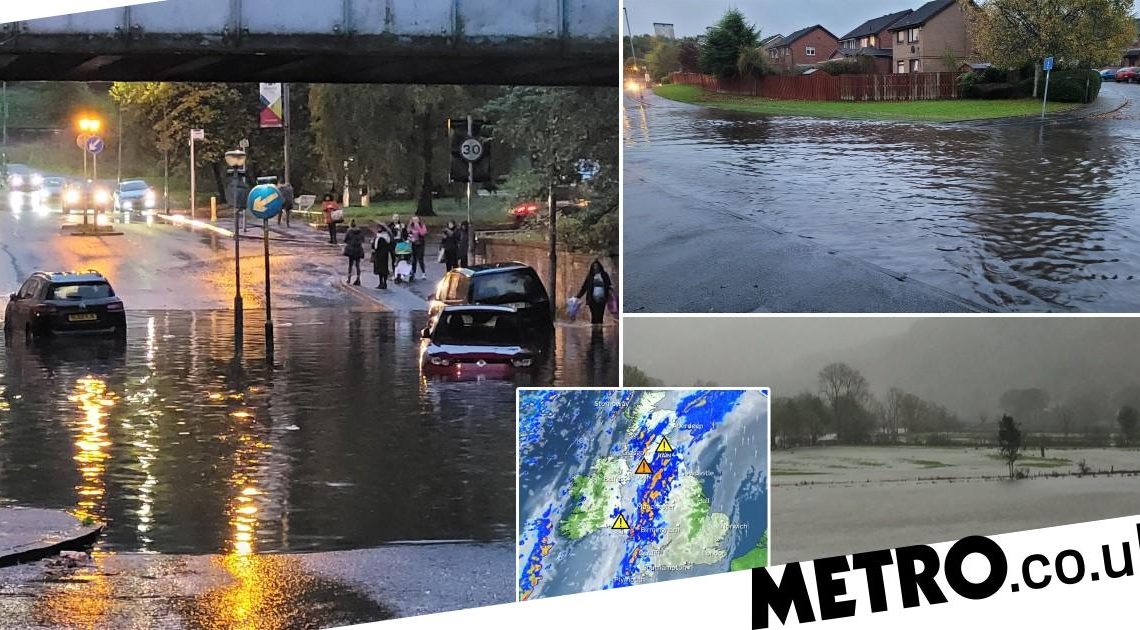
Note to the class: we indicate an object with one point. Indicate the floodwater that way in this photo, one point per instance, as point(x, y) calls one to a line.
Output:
point(181, 446)
point(1009, 216)
point(834, 501)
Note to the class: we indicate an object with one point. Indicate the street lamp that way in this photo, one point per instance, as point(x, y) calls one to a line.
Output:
point(88, 126)
point(235, 162)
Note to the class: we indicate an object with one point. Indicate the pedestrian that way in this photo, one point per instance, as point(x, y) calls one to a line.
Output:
point(333, 215)
point(450, 246)
point(597, 288)
point(417, 234)
point(399, 234)
point(464, 242)
point(382, 255)
point(354, 250)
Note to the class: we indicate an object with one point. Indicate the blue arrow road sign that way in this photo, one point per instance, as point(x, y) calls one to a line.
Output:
point(1048, 64)
point(95, 145)
point(265, 201)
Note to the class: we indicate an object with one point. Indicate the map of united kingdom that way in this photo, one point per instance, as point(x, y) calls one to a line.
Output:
point(622, 487)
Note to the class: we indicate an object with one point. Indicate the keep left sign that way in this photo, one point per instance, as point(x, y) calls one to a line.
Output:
point(21, 11)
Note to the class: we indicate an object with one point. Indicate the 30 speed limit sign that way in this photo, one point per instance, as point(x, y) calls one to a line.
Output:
point(471, 149)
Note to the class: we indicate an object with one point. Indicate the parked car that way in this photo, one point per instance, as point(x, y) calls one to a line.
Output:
point(59, 303)
point(497, 284)
point(134, 194)
point(528, 209)
point(1127, 75)
point(1109, 74)
point(476, 342)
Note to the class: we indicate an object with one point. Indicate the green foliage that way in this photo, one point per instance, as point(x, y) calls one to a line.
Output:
point(689, 55)
point(1009, 442)
point(633, 376)
point(663, 58)
point(558, 130)
point(720, 54)
point(856, 64)
point(1074, 86)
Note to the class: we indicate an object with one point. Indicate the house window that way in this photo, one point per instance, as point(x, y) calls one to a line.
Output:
point(912, 35)
point(873, 41)
point(902, 67)
point(902, 38)
point(809, 51)
point(916, 65)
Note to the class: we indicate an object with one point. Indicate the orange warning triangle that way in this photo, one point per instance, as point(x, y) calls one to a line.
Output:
point(643, 468)
point(620, 523)
point(664, 446)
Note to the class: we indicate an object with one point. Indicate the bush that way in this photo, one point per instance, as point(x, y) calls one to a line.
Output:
point(995, 91)
point(857, 64)
point(1074, 86)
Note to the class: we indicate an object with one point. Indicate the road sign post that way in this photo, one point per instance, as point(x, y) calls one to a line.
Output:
point(265, 202)
point(94, 146)
point(1048, 72)
point(195, 134)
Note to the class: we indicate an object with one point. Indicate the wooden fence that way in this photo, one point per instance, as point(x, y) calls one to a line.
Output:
point(819, 86)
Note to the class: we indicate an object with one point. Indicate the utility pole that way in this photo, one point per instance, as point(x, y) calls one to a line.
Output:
point(470, 176)
point(5, 140)
point(285, 122)
point(629, 32)
point(553, 249)
point(119, 173)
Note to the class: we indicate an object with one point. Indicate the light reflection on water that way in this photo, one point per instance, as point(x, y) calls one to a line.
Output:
point(183, 446)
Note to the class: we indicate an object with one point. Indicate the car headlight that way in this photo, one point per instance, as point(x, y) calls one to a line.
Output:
point(522, 362)
point(101, 196)
point(37, 180)
point(150, 199)
point(17, 180)
point(127, 205)
point(71, 197)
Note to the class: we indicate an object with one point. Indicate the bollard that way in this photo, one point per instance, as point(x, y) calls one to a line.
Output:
point(213, 209)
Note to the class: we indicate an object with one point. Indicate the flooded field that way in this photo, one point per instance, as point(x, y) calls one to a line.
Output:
point(830, 501)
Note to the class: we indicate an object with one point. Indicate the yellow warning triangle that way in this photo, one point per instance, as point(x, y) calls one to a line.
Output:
point(664, 446)
point(643, 468)
point(620, 523)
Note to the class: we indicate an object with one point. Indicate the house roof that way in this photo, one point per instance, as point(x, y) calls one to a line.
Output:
point(873, 27)
point(868, 51)
point(923, 14)
point(764, 43)
point(790, 39)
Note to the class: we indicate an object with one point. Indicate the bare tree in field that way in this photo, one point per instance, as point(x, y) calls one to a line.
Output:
point(1009, 441)
point(847, 394)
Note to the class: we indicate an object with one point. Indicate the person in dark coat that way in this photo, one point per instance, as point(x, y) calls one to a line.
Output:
point(450, 246)
point(382, 246)
point(329, 206)
point(354, 250)
point(596, 288)
point(464, 242)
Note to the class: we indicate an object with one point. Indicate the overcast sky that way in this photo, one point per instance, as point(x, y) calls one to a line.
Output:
point(772, 17)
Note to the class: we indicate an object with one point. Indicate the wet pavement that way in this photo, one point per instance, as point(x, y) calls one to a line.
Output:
point(1004, 216)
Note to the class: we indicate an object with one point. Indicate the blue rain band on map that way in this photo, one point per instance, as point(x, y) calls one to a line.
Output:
point(619, 487)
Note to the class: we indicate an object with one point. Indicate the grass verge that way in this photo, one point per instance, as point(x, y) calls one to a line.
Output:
point(916, 111)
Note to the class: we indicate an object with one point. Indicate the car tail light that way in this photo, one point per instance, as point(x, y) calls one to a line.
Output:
point(440, 361)
point(44, 309)
point(115, 306)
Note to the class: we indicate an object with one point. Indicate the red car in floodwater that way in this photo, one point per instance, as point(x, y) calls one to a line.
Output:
point(476, 342)
point(1127, 75)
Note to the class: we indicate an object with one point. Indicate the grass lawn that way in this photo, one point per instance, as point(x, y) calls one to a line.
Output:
point(919, 111)
point(484, 210)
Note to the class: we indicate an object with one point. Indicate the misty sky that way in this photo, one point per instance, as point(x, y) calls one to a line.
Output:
point(692, 17)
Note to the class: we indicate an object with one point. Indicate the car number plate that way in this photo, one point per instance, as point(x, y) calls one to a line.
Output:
point(519, 304)
point(82, 317)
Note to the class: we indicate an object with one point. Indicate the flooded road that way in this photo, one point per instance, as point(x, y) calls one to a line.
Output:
point(1008, 216)
point(183, 447)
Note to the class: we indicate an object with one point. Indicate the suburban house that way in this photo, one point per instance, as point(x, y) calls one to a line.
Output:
point(806, 46)
point(1132, 55)
point(768, 45)
point(872, 39)
point(928, 38)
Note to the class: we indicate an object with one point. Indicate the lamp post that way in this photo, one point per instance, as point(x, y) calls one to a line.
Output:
point(89, 127)
point(235, 162)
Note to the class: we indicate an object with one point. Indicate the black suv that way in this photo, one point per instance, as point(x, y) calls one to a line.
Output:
point(52, 303)
point(497, 284)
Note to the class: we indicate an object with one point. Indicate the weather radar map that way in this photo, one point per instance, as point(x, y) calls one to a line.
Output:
point(623, 487)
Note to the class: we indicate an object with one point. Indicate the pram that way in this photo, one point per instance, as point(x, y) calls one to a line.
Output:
point(403, 271)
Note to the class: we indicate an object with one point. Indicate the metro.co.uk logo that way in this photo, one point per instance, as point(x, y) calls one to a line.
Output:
point(973, 568)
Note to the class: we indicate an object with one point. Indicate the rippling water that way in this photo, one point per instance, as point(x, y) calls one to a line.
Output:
point(183, 446)
point(1012, 216)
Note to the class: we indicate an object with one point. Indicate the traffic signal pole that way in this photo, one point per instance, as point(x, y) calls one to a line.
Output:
point(470, 176)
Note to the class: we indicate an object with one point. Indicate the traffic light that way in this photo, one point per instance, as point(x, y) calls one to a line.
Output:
point(470, 150)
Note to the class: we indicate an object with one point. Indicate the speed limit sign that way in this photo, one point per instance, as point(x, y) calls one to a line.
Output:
point(471, 149)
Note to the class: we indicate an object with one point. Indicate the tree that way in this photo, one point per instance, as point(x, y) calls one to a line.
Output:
point(1078, 33)
point(561, 131)
point(1009, 442)
point(689, 56)
point(663, 58)
point(720, 54)
point(633, 376)
point(798, 421)
point(1129, 420)
point(846, 394)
